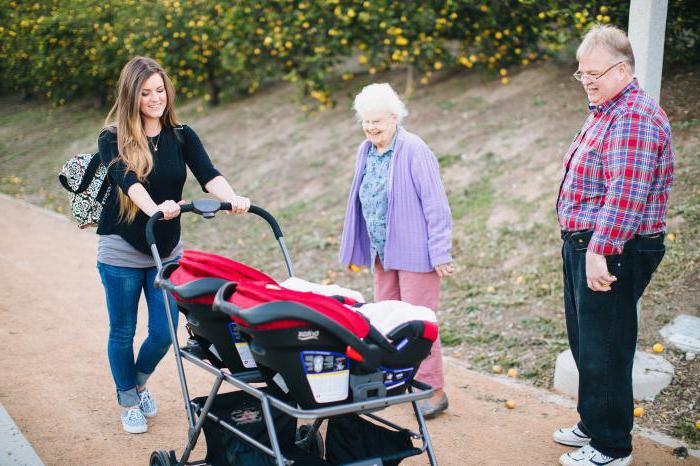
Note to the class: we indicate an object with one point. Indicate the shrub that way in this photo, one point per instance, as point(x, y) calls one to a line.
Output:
point(69, 50)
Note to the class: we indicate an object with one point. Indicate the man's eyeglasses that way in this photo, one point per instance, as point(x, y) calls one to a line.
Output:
point(580, 75)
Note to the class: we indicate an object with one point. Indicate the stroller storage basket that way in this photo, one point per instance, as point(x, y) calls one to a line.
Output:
point(351, 438)
point(244, 412)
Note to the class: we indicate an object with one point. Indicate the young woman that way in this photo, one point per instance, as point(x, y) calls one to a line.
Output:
point(146, 152)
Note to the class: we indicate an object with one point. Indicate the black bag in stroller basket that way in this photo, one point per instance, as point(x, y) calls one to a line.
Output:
point(351, 438)
point(243, 412)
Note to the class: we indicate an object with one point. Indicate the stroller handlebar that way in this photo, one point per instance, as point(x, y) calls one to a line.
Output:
point(207, 208)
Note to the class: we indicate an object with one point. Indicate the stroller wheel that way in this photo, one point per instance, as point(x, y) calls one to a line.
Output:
point(160, 458)
point(310, 440)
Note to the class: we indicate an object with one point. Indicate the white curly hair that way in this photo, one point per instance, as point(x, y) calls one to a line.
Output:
point(378, 98)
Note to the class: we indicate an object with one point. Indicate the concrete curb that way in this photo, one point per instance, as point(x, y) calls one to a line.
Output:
point(15, 450)
point(568, 402)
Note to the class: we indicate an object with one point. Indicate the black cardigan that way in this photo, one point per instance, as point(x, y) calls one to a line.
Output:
point(165, 182)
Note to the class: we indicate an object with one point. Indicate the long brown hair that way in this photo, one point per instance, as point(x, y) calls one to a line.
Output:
point(125, 117)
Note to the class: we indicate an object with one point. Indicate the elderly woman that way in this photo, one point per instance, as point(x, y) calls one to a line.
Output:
point(398, 221)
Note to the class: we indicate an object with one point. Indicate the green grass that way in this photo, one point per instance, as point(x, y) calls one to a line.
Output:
point(447, 160)
point(538, 101)
point(685, 429)
point(685, 124)
point(447, 104)
point(472, 203)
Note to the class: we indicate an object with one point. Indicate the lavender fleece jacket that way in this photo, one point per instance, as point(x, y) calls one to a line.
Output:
point(419, 221)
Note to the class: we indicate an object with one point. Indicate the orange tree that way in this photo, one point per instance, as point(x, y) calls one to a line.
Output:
point(21, 23)
point(64, 50)
point(81, 51)
point(61, 50)
point(188, 39)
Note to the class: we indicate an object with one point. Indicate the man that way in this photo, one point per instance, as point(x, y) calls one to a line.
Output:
point(612, 212)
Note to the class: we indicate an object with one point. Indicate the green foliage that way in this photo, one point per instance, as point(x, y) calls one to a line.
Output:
point(68, 50)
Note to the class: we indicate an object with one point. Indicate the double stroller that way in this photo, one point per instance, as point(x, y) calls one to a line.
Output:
point(291, 355)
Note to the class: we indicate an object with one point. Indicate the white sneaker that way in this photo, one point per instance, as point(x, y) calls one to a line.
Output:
point(147, 403)
point(589, 456)
point(133, 420)
point(572, 437)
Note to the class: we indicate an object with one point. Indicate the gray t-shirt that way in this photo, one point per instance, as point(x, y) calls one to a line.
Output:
point(115, 250)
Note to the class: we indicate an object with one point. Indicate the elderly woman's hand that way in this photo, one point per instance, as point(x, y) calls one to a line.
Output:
point(444, 270)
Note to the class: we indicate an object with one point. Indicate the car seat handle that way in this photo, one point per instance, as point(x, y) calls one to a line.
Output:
point(290, 310)
point(221, 304)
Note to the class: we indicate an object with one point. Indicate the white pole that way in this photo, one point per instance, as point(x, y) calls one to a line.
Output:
point(647, 28)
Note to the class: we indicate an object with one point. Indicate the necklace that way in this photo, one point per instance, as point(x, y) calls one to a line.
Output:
point(155, 144)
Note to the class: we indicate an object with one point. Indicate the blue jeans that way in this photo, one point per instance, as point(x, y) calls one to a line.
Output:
point(123, 287)
point(602, 331)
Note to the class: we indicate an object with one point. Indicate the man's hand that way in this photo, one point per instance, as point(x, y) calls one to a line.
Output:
point(444, 270)
point(597, 275)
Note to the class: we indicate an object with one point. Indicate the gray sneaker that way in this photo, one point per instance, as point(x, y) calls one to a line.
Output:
point(572, 437)
point(133, 420)
point(431, 408)
point(147, 403)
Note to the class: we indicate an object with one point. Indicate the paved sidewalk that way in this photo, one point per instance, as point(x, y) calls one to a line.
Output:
point(14, 448)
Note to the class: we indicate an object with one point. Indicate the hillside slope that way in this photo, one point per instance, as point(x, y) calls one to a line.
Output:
point(500, 150)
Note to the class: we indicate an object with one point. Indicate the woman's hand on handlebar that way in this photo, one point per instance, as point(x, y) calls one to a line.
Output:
point(239, 205)
point(170, 209)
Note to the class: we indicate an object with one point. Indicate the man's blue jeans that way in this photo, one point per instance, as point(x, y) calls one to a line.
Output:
point(602, 330)
point(123, 287)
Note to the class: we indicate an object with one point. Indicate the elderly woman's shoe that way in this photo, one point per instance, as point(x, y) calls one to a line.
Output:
point(433, 406)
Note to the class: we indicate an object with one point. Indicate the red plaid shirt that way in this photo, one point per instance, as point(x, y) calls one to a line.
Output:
point(618, 172)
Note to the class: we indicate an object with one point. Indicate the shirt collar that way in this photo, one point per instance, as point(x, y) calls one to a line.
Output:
point(605, 106)
point(390, 150)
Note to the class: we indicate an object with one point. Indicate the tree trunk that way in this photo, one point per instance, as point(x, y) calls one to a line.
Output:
point(214, 88)
point(410, 81)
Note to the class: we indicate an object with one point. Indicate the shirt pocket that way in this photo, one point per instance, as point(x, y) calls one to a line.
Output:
point(587, 165)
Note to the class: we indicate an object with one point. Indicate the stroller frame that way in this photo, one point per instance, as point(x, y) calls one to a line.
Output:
point(196, 415)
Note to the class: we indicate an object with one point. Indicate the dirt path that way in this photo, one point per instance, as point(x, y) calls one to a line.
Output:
point(55, 380)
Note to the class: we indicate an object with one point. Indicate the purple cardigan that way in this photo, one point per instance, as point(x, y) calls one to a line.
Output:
point(419, 222)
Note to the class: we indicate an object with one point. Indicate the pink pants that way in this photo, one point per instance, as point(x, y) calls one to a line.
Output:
point(421, 289)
